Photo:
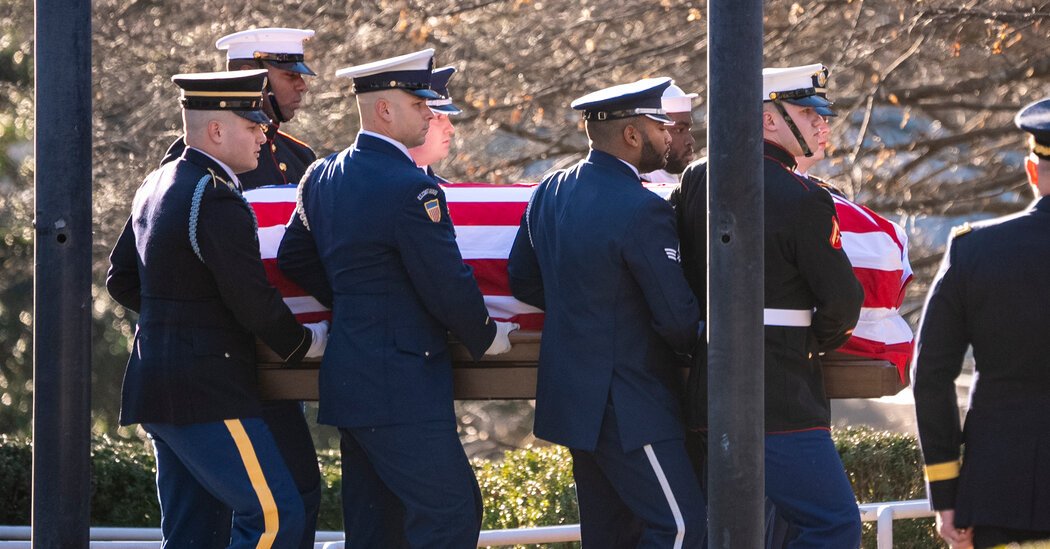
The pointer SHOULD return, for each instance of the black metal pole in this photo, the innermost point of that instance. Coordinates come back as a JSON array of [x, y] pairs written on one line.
[[736, 441], [62, 289]]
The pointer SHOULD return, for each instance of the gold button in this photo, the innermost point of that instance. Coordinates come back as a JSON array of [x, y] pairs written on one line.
[[283, 166], [810, 355], [426, 353], [393, 83], [222, 104], [273, 148]]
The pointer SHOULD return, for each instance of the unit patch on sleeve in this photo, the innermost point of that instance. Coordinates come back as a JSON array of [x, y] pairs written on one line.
[[433, 208]]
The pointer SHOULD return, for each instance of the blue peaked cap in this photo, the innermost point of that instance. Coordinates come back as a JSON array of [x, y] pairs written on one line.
[[641, 98], [1035, 119], [439, 84]]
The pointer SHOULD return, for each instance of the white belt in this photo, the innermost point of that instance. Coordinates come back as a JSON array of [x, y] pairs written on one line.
[[787, 317]]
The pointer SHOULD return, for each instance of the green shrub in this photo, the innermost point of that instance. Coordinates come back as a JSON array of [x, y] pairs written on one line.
[[530, 487]]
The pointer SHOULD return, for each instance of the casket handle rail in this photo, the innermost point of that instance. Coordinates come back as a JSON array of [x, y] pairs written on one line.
[[513, 375]]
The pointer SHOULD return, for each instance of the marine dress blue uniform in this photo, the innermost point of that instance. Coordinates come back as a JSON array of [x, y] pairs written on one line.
[[991, 293], [188, 262], [599, 253], [812, 301], [378, 227]]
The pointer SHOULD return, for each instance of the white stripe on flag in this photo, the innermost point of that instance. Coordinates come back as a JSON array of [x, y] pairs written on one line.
[[275, 193], [304, 304], [492, 193], [872, 251], [270, 240], [666, 487], [883, 325], [505, 306], [485, 241]]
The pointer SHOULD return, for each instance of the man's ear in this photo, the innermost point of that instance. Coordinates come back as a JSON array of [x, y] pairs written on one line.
[[382, 109], [1031, 167], [632, 136], [216, 132], [769, 122]]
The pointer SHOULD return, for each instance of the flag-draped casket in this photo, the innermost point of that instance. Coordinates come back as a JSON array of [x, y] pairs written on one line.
[[486, 218]]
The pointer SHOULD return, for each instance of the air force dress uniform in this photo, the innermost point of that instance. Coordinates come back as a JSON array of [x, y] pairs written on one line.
[[282, 160], [598, 252], [992, 293], [812, 301], [397, 285], [188, 263]]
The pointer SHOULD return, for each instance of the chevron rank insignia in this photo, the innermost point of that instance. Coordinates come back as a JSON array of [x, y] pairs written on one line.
[[433, 208]]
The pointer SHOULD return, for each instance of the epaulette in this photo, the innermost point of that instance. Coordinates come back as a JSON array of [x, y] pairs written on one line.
[[961, 230], [293, 139]]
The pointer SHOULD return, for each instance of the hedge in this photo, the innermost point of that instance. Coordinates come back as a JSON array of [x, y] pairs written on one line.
[[530, 487]]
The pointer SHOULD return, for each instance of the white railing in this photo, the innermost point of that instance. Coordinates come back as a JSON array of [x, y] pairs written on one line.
[[883, 514]]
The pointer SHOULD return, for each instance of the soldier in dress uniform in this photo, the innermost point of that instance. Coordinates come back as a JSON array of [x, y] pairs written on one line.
[[598, 252], [396, 283], [991, 294], [282, 159], [679, 108], [812, 301], [439, 134], [188, 263]]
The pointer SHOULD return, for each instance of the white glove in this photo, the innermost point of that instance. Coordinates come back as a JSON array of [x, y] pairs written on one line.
[[501, 343], [319, 331]]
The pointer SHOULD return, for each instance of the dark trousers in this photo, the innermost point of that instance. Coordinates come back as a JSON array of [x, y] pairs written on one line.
[[287, 424], [806, 481], [992, 536], [232, 464], [408, 486], [812, 482], [646, 497]]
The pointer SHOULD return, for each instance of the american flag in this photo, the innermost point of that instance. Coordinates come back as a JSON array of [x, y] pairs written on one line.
[[487, 217]]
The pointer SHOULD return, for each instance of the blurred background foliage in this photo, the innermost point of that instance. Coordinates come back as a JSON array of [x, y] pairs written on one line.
[[925, 89]]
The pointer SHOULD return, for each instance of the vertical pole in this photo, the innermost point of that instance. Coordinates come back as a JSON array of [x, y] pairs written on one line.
[[62, 274], [735, 276]]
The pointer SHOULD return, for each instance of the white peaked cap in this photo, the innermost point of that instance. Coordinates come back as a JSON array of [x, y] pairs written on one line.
[[788, 79], [417, 61], [244, 44], [676, 100]]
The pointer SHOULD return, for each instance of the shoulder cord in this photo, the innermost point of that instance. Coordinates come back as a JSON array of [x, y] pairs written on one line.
[[195, 210]]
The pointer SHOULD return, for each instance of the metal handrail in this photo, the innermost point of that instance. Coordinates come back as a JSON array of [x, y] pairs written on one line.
[[883, 513]]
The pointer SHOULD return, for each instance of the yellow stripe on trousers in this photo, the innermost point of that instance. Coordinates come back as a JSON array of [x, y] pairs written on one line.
[[271, 522]]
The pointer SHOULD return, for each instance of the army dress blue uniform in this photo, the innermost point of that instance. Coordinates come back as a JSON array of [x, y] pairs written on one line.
[[283, 159], [598, 252], [991, 293], [812, 301], [397, 285], [202, 298]]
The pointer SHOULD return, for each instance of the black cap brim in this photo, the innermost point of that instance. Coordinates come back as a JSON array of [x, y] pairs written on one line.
[[292, 66], [425, 93], [255, 116], [809, 101], [445, 109]]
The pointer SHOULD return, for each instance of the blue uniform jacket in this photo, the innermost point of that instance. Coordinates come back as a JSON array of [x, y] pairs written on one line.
[[992, 294], [599, 253], [199, 310], [379, 231]]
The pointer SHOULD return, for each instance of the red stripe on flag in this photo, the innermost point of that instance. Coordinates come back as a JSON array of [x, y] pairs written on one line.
[[882, 289], [318, 316], [284, 285], [487, 213], [491, 275], [274, 213], [898, 353]]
